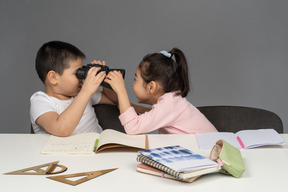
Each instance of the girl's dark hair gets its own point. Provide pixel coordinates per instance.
(170, 72)
(55, 55)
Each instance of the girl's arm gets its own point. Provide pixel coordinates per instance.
(110, 97)
(159, 116)
(115, 79)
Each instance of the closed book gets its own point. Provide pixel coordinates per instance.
(178, 162)
(142, 168)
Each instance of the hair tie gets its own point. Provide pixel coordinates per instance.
(167, 54)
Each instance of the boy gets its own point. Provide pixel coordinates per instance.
(66, 105)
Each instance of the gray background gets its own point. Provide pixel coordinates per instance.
(237, 50)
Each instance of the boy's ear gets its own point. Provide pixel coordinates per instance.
(52, 77)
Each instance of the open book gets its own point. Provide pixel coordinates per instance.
(94, 142)
(241, 139)
(142, 168)
(178, 162)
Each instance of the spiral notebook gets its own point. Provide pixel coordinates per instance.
(177, 161)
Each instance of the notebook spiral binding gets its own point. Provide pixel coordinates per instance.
(146, 160)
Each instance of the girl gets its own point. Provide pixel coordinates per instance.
(161, 80)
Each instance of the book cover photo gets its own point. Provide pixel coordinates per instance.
(178, 158)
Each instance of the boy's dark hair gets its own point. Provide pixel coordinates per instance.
(55, 55)
(172, 74)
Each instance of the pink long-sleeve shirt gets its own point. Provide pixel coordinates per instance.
(171, 114)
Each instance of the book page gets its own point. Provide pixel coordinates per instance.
(78, 143)
(110, 136)
(208, 140)
(259, 137)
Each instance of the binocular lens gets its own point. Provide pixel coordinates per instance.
(81, 73)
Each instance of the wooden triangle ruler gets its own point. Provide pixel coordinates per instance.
(44, 169)
(84, 176)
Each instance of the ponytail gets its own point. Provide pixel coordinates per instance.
(170, 69)
(181, 72)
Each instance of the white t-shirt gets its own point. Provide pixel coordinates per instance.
(41, 103)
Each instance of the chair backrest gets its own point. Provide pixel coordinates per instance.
(32, 130)
(236, 118)
(107, 116)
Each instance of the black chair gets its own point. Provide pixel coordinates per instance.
(236, 118)
(107, 116)
(32, 130)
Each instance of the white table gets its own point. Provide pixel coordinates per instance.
(266, 168)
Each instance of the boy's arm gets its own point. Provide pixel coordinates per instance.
(65, 123)
(108, 96)
(140, 109)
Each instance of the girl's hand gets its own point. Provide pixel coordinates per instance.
(115, 79)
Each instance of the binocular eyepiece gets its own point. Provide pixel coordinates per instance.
(81, 73)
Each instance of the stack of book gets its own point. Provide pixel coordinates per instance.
(175, 162)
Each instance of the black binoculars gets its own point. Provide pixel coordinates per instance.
(81, 73)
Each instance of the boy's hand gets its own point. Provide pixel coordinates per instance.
(98, 62)
(115, 79)
(93, 81)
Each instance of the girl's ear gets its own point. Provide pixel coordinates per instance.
(152, 87)
(52, 77)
